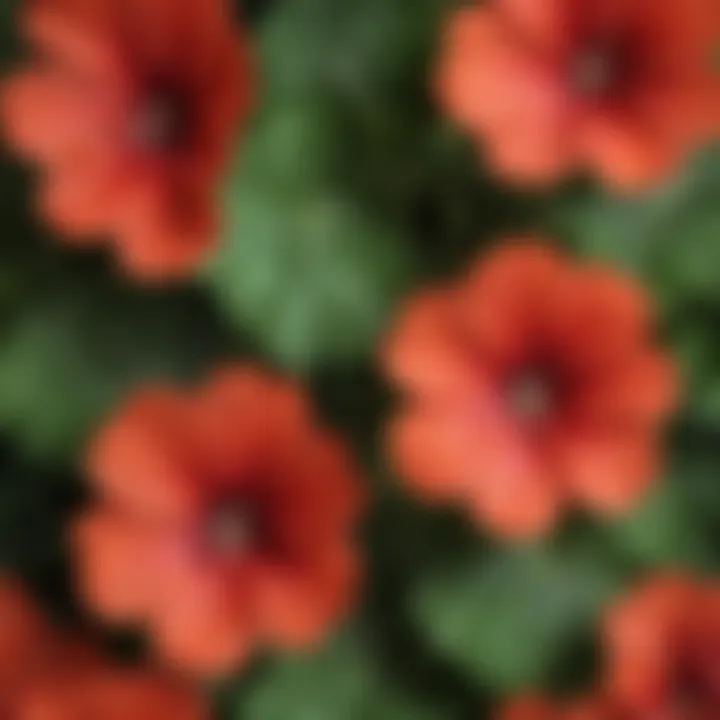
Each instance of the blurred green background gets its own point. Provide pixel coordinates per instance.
(348, 191)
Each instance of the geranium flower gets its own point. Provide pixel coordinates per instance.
(25, 642)
(104, 692)
(530, 384)
(131, 108)
(536, 707)
(663, 646)
(625, 88)
(225, 521)
(47, 675)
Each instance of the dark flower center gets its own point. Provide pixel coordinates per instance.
(231, 529)
(161, 123)
(594, 73)
(242, 522)
(603, 67)
(532, 396)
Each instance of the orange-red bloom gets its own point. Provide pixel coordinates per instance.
(664, 650)
(626, 88)
(131, 107)
(104, 692)
(25, 643)
(539, 708)
(226, 520)
(46, 676)
(531, 383)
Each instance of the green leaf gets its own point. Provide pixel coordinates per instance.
(669, 236)
(506, 619)
(342, 681)
(694, 341)
(677, 525)
(299, 142)
(623, 231)
(359, 49)
(73, 352)
(308, 270)
(370, 61)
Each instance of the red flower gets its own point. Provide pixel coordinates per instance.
(102, 692)
(664, 650)
(131, 108)
(225, 521)
(24, 645)
(46, 676)
(539, 708)
(531, 383)
(623, 87)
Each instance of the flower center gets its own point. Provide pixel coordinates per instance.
(594, 72)
(531, 397)
(230, 530)
(159, 124)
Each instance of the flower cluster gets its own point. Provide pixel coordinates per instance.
(224, 519)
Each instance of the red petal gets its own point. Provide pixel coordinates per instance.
(142, 460)
(424, 353)
(113, 561)
(608, 473)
